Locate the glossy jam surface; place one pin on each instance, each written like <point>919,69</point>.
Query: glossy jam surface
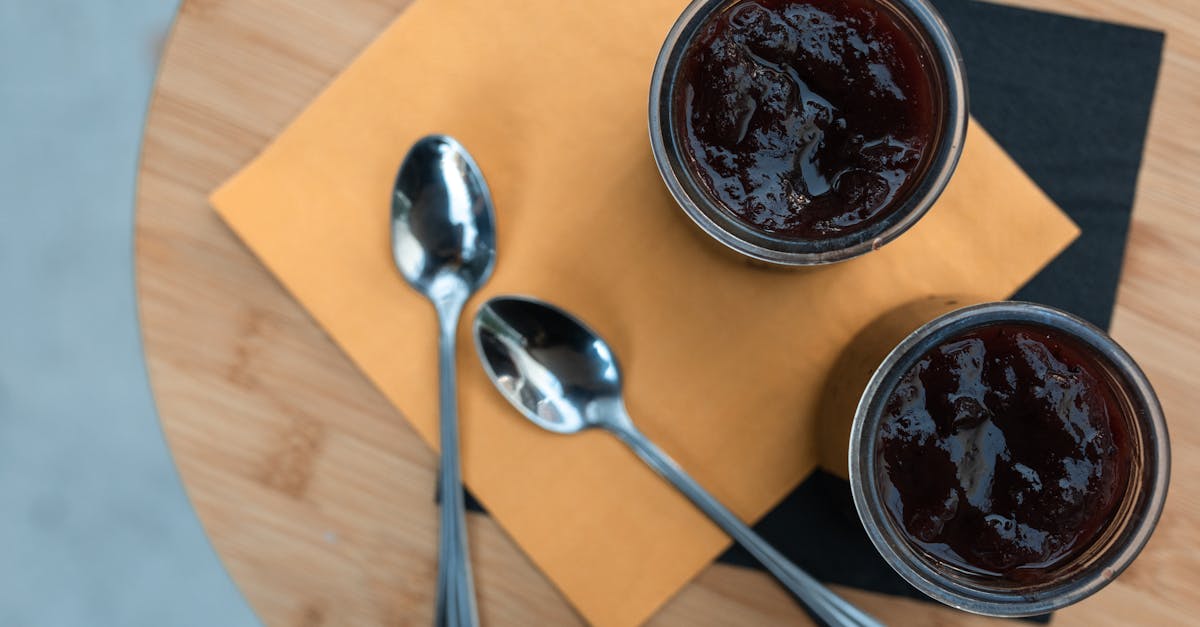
<point>806,119</point>
<point>1003,452</point>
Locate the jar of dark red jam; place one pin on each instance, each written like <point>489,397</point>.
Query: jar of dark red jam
<point>1009,459</point>
<point>804,132</point>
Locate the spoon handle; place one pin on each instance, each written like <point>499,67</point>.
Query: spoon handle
<point>824,606</point>
<point>455,589</point>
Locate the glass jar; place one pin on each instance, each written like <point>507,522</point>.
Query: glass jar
<point>931,35</point>
<point>1115,545</point>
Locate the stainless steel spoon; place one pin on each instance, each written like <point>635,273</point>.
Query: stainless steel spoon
<point>444,243</point>
<point>562,376</point>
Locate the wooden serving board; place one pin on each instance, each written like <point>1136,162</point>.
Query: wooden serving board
<point>279,439</point>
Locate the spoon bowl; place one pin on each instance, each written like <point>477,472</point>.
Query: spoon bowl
<point>443,229</point>
<point>553,368</point>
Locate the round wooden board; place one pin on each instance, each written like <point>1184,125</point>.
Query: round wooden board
<point>318,496</point>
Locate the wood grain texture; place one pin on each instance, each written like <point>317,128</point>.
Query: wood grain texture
<point>318,496</point>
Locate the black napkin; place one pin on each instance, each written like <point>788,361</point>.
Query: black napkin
<point>1069,99</point>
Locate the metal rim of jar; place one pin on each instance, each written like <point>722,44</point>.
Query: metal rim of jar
<point>1120,545</point>
<point>719,223</point>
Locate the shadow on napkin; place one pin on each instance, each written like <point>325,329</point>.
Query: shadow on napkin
<point>1070,100</point>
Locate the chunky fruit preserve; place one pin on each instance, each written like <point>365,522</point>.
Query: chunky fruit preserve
<point>806,119</point>
<point>1004,451</point>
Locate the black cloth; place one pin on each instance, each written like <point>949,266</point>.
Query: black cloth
<point>1069,99</point>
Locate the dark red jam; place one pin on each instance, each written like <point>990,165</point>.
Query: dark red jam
<point>806,119</point>
<point>1004,451</point>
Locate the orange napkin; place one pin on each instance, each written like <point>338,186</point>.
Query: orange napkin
<point>724,362</point>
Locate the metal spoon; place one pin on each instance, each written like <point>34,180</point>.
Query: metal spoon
<point>444,243</point>
<point>562,376</point>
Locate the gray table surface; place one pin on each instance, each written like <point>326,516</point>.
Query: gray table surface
<point>95,526</point>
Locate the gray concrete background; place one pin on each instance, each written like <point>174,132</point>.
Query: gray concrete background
<point>95,528</point>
